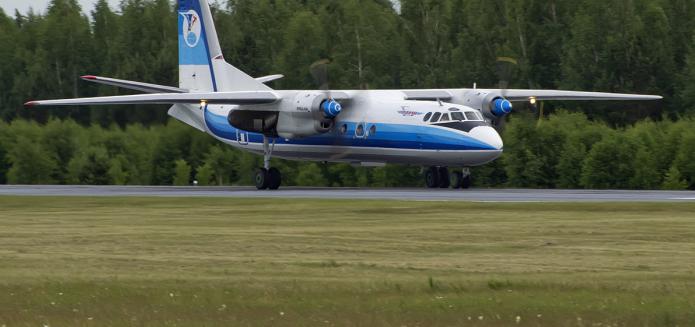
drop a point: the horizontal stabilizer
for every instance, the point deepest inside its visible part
(525, 95)
(131, 85)
(231, 98)
(269, 78)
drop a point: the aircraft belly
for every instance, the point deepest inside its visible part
(351, 154)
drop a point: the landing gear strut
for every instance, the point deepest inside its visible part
(439, 177)
(268, 177)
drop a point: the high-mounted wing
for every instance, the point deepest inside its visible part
(132, 85)
(526, 95)
(232, 98)
(431, 95)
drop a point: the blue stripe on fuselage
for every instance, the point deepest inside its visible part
(398, 136)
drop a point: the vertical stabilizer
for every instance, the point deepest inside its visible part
(201, 64)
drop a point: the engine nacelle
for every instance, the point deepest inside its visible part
(493, 105)
(311, 113)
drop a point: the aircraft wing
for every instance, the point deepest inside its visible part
(137, 86)
(232, 98)
(526, 95)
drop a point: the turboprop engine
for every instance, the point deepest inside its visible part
(307, 113)
(311, 113)
(493, 105)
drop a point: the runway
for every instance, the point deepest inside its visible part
(413, 194)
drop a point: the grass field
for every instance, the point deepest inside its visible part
(229, 262)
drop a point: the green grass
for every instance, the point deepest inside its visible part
(240, 262)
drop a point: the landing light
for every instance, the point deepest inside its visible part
(532, 100)
(203, 103)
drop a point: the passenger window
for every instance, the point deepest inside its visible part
(471, 115)
(445, 117)
(360, 130)
(372, 130)
(435, 117)
(458, 116)
(427, 116)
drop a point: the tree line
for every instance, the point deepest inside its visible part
(567, 151)
(635, 46)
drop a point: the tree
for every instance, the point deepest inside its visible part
(29, 163)
(311, 175)
(674, 180)
(90, 167)
(222, 163)
(204, 175)
(183, 173)
(610, 164)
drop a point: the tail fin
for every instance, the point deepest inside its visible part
(201, 64)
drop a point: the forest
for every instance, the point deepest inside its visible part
(628, 46)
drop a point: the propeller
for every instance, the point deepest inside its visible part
(505, 68)
(319, 70)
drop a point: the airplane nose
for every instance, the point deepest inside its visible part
(488, 135)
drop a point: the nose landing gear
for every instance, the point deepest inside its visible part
(439, 177)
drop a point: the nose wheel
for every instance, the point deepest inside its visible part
(267, 178)
(439, 177)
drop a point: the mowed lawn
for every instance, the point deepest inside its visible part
(240, 262)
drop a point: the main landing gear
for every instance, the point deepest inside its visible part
(268, 178)
(439, 177)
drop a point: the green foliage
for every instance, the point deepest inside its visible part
(610, 163)
(183, 173)
(90, 167)
(204, 175)
(674, 180)
(30, 165)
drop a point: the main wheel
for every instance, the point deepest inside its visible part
(275, 178)
(262, 179)
(456, 180)
(432, 177)
(444, 181)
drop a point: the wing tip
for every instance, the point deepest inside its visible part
(31, 104)
(88, 77)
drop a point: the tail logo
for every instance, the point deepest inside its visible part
(191, 28)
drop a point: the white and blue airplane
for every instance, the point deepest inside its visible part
(434, 128)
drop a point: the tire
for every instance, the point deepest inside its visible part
(456, 180)
(275, 178)
(444, 180)
(432, 177)
(262, 179)
(467, 182)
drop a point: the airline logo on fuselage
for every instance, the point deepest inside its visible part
(409, 113)
(191, 28)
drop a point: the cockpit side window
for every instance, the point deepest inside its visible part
(479, 115)
(458, 116)
(435, 117)
(445, 117)
(427, 116)
(470, 115)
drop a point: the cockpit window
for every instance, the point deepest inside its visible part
(479, 115)
(427, 116)
(458, 116)
(470, 115)
(445, 117)
(435, 117)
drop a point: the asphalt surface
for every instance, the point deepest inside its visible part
(478, 195)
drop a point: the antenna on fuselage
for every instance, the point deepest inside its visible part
(475, 86)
